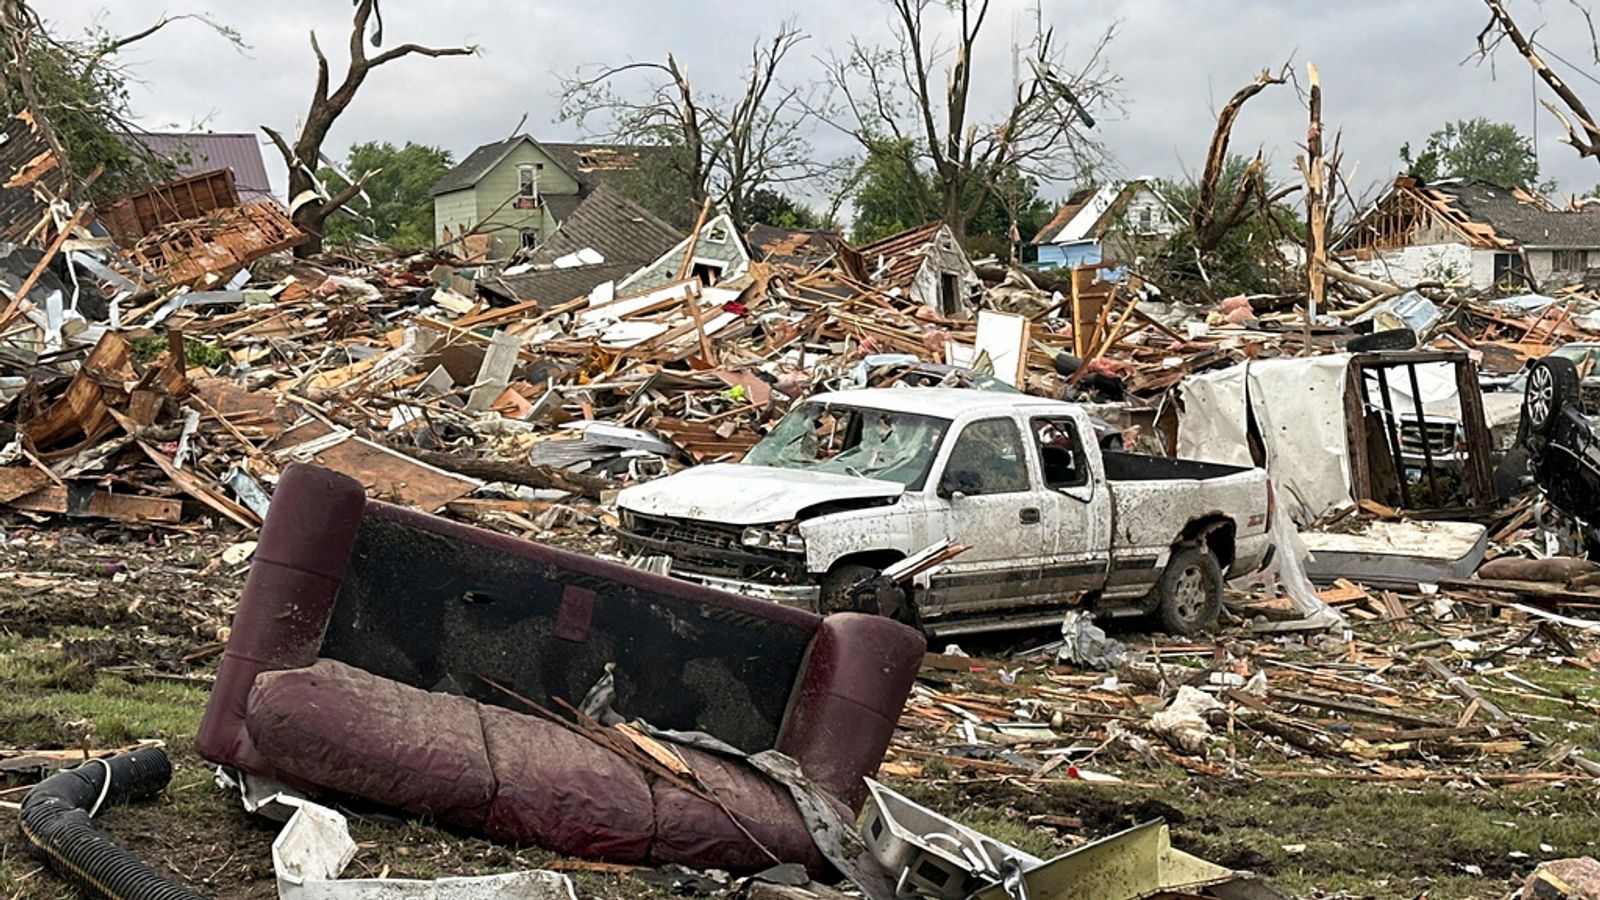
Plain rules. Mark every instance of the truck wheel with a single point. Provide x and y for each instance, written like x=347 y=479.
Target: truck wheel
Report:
x=1190 y=592
x=1552 y=383
x=854 y=587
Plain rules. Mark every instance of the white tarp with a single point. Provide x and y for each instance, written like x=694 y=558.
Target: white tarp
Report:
x=1298 y=406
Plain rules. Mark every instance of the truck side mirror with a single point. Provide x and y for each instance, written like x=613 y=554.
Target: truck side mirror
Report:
x=957 y=481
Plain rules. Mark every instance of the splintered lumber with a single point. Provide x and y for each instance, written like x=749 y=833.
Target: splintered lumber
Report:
x=1346 y=706
x=84 y=500
x=1466 y=691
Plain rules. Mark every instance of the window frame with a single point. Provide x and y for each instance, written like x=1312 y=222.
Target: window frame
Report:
x=1078 y=450
x=1028 y=483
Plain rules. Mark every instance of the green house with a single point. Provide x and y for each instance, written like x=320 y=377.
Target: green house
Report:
x=518 y=191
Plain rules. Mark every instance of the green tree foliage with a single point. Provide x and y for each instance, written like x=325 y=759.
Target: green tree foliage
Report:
x=1249 y=259
x=892 y=194
x=1476 y=150
x=770 y=207
x=401 y=211
x=81 y=89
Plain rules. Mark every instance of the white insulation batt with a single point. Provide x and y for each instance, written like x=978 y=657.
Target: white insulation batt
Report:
x=1298 y=406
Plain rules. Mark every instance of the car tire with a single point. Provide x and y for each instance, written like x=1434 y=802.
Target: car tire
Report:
x=1392 y=339
x=1189 y=594
x=1552 y=384
x=856 y=587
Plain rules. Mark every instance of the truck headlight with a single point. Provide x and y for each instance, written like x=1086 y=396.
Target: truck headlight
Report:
x=768 y=539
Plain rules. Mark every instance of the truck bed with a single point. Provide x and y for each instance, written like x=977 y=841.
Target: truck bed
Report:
x=1121 y=466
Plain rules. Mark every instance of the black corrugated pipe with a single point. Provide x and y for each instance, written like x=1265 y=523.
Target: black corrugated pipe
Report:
x=56 y=821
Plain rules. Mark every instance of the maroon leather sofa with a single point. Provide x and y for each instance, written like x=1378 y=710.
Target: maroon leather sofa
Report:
x=360 y=655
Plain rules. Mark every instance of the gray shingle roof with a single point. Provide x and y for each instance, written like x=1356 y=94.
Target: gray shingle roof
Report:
x=1531 y=224
x=618 y=228
x=553 y=287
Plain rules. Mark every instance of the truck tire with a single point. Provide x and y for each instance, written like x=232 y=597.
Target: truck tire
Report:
x=1552 y=383
x=1392 y=339
x=1189 y=594
x=855 y=587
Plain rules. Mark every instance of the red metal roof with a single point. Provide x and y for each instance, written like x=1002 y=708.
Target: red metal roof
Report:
x=196 y=154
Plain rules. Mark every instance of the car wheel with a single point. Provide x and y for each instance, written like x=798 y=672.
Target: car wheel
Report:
x=1189 y=594
x=854 y=587
x=1552 y=383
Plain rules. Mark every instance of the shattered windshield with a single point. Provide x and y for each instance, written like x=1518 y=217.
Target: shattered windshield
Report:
x=843 y=440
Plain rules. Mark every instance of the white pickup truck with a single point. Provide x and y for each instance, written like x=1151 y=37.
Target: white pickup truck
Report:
x=849 y=483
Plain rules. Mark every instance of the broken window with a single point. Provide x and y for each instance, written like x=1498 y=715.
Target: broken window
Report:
x=717 y=235
x=528 y=186
x=707 y=273
x=1569 y=260
x=842 y=440
x=530 y=240
x=1061 y=453
x=987 y=459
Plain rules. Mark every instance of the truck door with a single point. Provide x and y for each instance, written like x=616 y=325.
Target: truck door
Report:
x=1077 y=503
x=987 y=500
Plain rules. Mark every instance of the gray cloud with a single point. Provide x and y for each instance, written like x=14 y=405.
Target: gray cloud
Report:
x=1391 y=70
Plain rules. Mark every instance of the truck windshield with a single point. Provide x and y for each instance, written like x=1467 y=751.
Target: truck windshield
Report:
x=843 y=440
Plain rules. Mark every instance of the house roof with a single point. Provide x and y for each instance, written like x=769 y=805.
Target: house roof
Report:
x=896 y=259
x=1521 y=215
x=626 y=235
x=1087 y=212
x=198 y=153
x=587 y=163
x=791 y=246
x=551 y=287
x=609 y=223
x=1482 y=215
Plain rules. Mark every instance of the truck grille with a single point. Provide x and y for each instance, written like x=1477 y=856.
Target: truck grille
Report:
x=709 y=548
x=1441 y=436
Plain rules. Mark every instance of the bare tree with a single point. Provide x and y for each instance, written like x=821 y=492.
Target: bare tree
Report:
x=312 y=206
x=1211 y=218
x=1583 y=135
x=893 y=104
x=726 y=149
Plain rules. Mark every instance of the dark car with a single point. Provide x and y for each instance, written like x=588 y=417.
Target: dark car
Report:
x=1561 y=432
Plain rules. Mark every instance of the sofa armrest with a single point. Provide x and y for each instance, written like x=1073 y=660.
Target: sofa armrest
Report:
x=853 y=684
x=288 y=597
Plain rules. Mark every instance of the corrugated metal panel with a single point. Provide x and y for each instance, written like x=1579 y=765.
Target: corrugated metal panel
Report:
x=196 y=154
x=29 y=175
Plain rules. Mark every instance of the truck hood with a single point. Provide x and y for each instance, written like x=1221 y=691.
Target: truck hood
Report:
x=748 y=495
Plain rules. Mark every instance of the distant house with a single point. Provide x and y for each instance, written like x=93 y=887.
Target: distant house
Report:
x=519 y=191
x=928 y=265
x=196 y=154
x=1113 y=223
x=607 y=238
x=718 y=255
x=1471 y=233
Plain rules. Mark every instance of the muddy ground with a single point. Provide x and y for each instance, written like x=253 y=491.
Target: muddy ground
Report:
x=108 y=638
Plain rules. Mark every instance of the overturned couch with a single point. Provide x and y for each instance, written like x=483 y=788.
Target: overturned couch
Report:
x=363 y=651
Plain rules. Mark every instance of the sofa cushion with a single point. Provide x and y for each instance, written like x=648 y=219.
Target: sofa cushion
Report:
x=563 y=792
x=345 y=729
x=690 y=830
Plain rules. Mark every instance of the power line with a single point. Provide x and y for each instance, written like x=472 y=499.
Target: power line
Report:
x=1559 y=58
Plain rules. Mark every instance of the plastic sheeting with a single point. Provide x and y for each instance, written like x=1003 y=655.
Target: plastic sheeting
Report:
x=1298 y=406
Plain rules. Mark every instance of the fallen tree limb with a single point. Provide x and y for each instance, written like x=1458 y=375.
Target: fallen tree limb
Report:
x=548 y=477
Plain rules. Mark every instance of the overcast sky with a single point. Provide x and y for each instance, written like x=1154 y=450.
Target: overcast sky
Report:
x=1392 y=70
